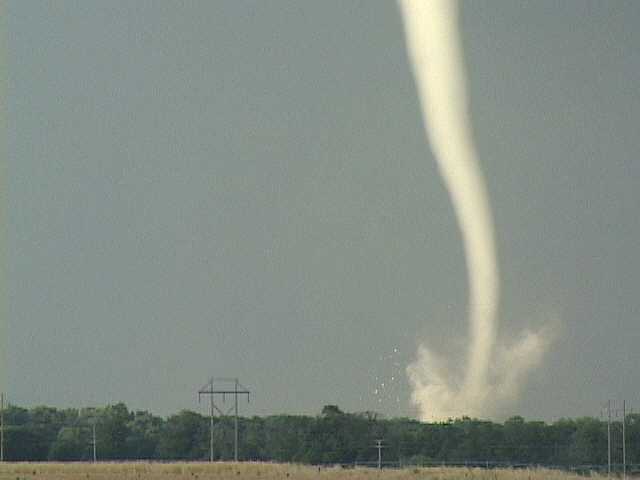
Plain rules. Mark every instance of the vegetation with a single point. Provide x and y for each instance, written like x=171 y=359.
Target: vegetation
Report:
x=258 y=471
x=332 y=437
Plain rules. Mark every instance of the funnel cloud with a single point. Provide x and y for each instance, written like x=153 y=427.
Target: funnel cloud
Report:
x=492 y=376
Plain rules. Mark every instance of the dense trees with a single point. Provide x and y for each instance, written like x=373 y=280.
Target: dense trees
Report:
x=46 y=433
x=185 y=436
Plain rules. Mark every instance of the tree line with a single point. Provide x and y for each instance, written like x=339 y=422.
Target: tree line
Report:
x=332 y=437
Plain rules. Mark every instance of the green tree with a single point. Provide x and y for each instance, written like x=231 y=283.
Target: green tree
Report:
x=24 y=443
x=530 y=442
x=633 y=437
x=562 y=437
x=185 y=436
x=30 y=433
x=49 y=421
x=337 y=437
x=589 y=442
x=14 y=415
x=480 y=441
x=252 y=439
x=429 y=440
x=112 y=430
x=143 y=437
x=72 y=444
x=331 y=411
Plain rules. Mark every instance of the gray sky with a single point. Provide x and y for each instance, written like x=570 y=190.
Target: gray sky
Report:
x=199 y=189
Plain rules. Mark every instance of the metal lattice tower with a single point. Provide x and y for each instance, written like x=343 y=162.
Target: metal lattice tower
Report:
x=209 y=389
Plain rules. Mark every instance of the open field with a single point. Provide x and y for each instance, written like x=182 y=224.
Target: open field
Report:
x=258 y=471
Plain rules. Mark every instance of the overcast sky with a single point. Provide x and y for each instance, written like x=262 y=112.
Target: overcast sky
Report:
x=244 y=189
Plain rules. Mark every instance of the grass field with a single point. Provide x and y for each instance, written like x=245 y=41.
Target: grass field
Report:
x=258 y=471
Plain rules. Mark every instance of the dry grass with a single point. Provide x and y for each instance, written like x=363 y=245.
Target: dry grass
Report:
x=258 y=471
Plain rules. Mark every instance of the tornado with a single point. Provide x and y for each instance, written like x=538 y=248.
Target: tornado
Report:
x=434 y=50
x=492 y=375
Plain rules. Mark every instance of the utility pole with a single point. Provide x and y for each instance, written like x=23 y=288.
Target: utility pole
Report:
x=209 y=389
x=624 y=440
x=379 y=446
x=609 y=438
x=93 y=441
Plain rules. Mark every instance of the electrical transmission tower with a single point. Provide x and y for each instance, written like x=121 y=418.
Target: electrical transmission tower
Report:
x=624 y=439
x=209 y=389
